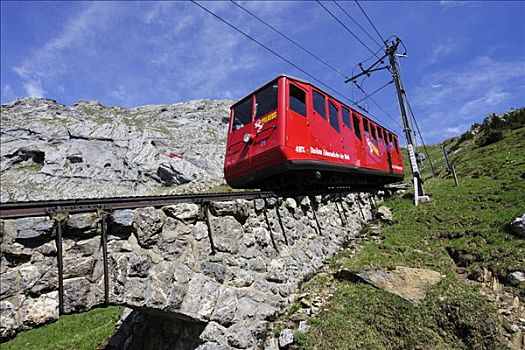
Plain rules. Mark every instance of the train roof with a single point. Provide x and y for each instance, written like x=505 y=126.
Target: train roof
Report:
x=309 y=83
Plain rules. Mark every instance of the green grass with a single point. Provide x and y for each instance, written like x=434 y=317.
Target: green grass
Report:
x=29 y=167
x=462 y=229
x=85 y=331
x=223 y=188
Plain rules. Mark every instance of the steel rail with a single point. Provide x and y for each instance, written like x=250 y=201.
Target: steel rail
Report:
x=13 y=210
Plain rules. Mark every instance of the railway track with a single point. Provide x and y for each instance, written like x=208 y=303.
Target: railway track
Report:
x=13 y=210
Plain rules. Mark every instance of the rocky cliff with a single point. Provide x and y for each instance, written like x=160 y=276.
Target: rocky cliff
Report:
x=52 y=151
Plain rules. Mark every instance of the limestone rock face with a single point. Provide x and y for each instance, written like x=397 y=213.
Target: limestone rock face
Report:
x=52 y=151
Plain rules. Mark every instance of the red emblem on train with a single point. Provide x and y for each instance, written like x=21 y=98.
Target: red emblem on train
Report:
x=291 y=134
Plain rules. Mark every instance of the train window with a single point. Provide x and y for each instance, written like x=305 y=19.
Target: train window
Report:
x=396 y=144
x=266 y=100
x=380 y=134
x=334 y=118
x=297 y=100
x=319 y=104
x=357 y=127
x=346 y=117
x=365 y=127
x=242 y=113
x=374 y=135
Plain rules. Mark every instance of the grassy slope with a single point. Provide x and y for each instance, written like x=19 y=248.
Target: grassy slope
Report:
x=85 y=331
x=471 y=220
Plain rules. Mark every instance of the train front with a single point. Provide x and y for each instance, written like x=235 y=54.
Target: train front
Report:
x=254 y=137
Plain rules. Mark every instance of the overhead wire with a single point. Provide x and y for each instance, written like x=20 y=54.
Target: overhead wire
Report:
x=344 y=26
x=290 y=40
x=399 y=128
x=357 y=23
x=277 y=54
x=291 y=63
x=374 y=54
x=370 y=21
x=375 y=91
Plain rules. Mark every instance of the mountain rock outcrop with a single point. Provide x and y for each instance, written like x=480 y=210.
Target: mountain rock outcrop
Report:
x=53 y=151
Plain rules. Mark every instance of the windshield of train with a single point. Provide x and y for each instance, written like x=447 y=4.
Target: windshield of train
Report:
x=266 y=100
x=242 y=113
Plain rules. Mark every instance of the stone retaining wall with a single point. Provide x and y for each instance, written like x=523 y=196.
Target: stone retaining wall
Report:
x=164 y=264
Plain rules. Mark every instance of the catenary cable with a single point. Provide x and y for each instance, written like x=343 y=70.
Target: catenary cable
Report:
x=344 y=26
x=375 y=91
x=280 y=56
x=290 y=40
x=370 y=21
x=357 y=23
x=273 y=52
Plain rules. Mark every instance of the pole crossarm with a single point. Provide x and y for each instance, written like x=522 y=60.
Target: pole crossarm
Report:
x=369 y=70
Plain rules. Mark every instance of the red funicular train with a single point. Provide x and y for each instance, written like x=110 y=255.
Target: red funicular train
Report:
x=290 y=134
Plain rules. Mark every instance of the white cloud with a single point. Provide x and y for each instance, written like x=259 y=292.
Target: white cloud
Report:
x=204 y=54
x=468 y=82
x=33 y=88
x=154 y=12
x=491 y=98
x=443 y=48
x=47 y=62
x=453 y=130
x=457 y=3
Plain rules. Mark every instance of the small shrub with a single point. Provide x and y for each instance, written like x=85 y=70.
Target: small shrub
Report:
x=489 y=138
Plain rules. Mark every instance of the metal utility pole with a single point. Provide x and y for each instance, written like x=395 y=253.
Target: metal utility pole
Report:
x=419 y=191
x=450 y=167
x=391 y=53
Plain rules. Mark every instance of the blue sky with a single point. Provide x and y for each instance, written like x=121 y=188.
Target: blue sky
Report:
x=465 y=59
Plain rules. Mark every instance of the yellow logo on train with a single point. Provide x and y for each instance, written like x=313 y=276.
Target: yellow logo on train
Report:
x=373 y=148
x=269 y=118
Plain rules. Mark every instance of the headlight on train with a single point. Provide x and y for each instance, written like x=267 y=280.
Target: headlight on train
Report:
x=247 y=138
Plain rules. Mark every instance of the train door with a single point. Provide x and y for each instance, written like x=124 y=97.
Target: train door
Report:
x=318 y=124
x=359 y=145
x=370 y=150
x=376 y=154
x=397 y=159
x=241 y=130
x=348 y=136
x=334 y=152
x=387 y=137
x=297 y=123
